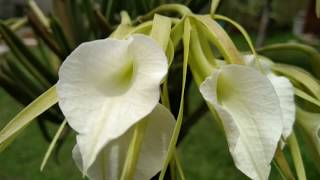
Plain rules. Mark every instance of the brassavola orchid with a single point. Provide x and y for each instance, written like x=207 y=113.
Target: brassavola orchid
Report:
x=107 y=86
x=115 y=94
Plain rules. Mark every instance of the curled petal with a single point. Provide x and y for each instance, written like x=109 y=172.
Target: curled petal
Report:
x=106 y=86
x=109 y=163
x=285 y=93
x=249 y=109
x=283 y=88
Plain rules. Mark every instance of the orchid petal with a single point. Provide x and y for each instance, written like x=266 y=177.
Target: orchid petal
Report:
x=285 y=92
x=283 y=88
x=250 y=112
x=109 y=163
x=106 y=86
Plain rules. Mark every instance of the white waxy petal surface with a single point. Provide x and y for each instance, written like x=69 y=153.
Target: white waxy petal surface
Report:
x=283 y=88
x=250 y=112
x=109 y=163
x=106 y=86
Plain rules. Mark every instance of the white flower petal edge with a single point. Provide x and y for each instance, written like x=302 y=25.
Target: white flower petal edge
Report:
x=106 y=86
x=284 y=90
x=109 y=163
x=250 y=112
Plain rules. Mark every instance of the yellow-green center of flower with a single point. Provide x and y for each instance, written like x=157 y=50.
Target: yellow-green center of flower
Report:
x=120 y=80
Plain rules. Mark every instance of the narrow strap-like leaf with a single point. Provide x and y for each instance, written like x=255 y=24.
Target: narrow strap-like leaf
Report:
x=176 y=131
x=26 y=57
x=296 y=156
x=134 y=150
x=52 y=145
x=318 y=8
x=43 y=33
x=220 y=39
x=240 y=28
x=60 y=36
x=299 y=75
x=23 y=119
x=102 y=22
x=282 y=165
x=214 y=6
x=309 y=51
x=161 y=30
x=307 y=97
x=182 y=10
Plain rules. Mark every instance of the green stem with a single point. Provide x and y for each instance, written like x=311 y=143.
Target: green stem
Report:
x=214 y=6
x=133 y=151
x=179 y=166
x=125 y=18
x=177 y=128
x=52 y=145
x=282 y=164
x=181 y=9
x=296 y=155
x=309 y=50
x=18 y=24
x=200 y=60
x=37 y=11
x=240 y=28
x=217 y=35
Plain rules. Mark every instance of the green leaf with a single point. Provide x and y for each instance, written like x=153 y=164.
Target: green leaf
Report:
x=217 y=35
x=177 y=128
x=309 y=123
x=177 y=33
x=161 y=30
x=102 y=22
x=60 y=36
x=89 y=11
x=133 y=150
x=23 y=119
x=178 y=8
x=26 y=56
x=214 y=6
x=108 y=8
x=318 y=8
x=298 y=75
x=42 y=32
x=37 y=11
x=282 y=165
x=64 y=12
x=240 y=28
x=307 y=97
x=294 y=49
x=199 y=62
x=52 y=144
x=296 y=156
x=170 y=52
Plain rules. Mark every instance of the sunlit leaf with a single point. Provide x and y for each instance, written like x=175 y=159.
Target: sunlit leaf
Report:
x=29 y=113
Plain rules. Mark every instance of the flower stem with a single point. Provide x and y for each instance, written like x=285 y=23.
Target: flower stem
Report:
x=296 y=155
x=181 y=9
x=176 y=131
x=133 y=151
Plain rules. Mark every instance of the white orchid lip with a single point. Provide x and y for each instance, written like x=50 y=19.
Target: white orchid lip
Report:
x=283 y=88
x=106 y=86
x=249 y=110
x=110 y=160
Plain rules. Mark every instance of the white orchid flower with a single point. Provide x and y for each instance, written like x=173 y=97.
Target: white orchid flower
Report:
x=107 y=86
x=283 y=88
x=249 y=109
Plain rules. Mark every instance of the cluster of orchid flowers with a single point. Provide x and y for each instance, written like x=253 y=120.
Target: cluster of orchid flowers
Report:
x=113 y=93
